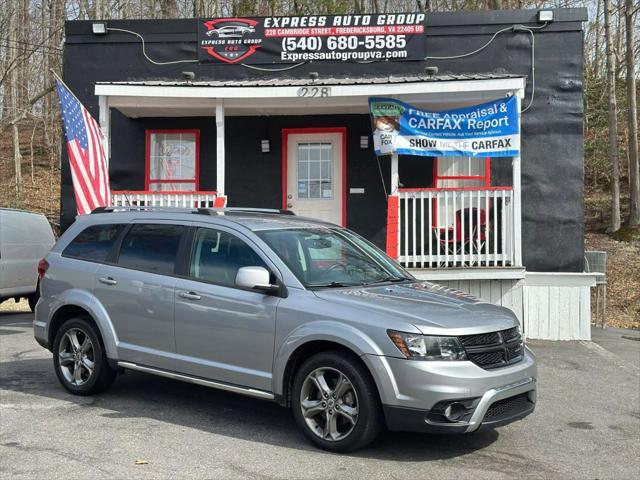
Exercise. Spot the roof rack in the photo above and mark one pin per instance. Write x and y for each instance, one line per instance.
(218, 211)
(201, 211)
(142, 208)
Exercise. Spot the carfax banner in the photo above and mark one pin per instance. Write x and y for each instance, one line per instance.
(487, 130)
(335, 38)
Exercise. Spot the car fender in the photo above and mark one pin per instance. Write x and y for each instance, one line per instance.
(86, 300)
(321, 330)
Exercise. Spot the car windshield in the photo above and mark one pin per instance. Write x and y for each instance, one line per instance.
(331, 257)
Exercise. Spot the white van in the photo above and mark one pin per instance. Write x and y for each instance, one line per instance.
(25, 238)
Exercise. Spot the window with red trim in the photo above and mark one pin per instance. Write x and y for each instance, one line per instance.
(172, 160)
(455, 173)
(459, 172)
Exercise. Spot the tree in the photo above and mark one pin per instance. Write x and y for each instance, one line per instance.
(632, 116)
(614, 224)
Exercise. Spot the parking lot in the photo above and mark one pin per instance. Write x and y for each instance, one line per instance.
(586, 425)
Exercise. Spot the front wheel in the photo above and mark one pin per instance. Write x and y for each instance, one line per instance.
(79, 358)
(335, 402)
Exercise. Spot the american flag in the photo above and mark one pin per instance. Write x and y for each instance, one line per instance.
(87, 158)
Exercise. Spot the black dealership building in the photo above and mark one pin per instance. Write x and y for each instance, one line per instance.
(273, 113)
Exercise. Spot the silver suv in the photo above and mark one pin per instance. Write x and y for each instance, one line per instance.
(282, 308)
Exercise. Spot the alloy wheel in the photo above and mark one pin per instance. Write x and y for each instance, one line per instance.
(76, 356)
(329, 404)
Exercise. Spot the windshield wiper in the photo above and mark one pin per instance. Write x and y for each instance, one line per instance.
(335, 284)
(390, 278)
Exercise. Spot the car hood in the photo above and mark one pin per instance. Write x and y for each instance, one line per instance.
(430, 308)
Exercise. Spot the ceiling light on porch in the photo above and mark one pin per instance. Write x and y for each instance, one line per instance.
(431, 70)
(99, 28)
(364, 142)
(265, 146)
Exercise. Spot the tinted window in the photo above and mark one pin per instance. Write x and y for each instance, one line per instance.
(153, 248)
(217, 256)
(94, 243)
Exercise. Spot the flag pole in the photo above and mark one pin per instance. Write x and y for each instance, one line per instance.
(57, 77)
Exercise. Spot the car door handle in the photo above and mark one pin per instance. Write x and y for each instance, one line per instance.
(190, 295)
(107, 281)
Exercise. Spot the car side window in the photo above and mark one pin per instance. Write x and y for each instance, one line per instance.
(151, 247)
(94, 243)
(216, 257)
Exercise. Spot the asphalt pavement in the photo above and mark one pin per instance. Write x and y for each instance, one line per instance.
(586, 425)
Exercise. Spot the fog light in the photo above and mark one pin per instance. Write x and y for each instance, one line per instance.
(454, 412)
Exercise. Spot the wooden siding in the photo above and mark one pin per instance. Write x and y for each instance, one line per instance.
(549, 307)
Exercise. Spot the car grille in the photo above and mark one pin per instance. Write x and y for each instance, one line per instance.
(508, 407)
(495, 349)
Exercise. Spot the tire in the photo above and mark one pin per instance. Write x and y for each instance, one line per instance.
(358, 391)
(33, 299)
(67, 358)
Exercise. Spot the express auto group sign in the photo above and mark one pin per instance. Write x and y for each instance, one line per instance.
(265, 40)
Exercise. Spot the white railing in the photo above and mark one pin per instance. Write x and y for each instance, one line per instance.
(164, 199)
(439, 228)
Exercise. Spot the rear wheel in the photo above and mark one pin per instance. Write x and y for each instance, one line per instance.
(79, 358)
(335, 402)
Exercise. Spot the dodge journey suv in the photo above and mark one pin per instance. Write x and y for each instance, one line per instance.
(282, 308)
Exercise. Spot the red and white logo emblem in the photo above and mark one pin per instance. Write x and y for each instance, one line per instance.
(230, 40)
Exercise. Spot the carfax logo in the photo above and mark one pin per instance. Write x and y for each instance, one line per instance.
(230, 40)
(386, 123)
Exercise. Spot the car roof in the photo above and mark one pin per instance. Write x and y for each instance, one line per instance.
(253, 219)
(17, 210)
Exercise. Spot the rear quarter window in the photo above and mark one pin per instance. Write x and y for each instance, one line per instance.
(151, 247)
(94, 243)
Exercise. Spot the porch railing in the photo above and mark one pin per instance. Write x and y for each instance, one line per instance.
(198, 199)
(456, 227)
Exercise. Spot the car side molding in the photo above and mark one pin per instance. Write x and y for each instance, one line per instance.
(250, 392)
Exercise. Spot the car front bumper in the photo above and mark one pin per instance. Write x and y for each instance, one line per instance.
(415, 393)
(520, 400)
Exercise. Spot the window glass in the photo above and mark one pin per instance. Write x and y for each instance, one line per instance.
(216, 257)
(314, 170)
(325, 257)
(93, 243)
(151, 247)
(172, 187)
(457, 171)
(172, 161)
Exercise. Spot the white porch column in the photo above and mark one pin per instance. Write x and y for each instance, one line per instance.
(220, 150)
(104, 117)
(395, 179)
(517, 190)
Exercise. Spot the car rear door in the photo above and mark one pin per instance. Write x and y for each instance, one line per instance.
(224, 333)
(137, 291)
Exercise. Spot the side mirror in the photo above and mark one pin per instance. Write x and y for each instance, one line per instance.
(256, 278)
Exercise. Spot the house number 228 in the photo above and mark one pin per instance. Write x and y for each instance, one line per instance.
(314, 92)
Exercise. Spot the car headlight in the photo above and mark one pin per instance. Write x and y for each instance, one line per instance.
(427, 347)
